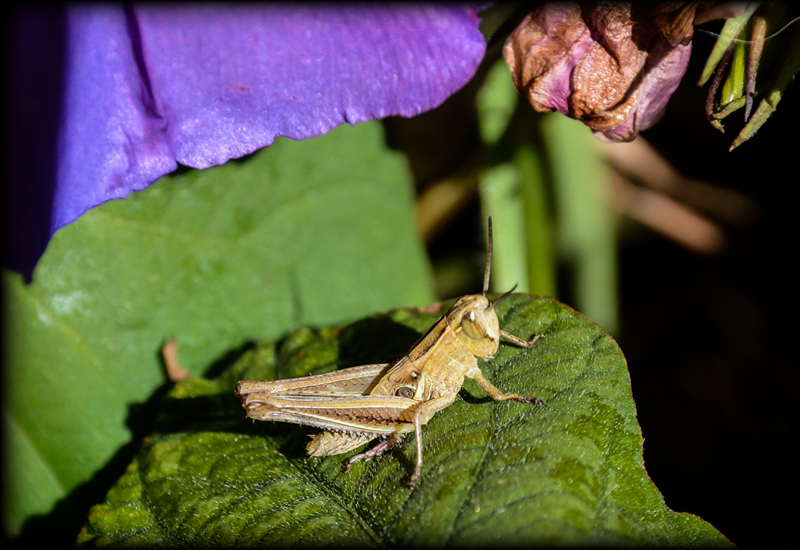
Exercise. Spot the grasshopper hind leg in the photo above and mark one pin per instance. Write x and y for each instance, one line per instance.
(378, 449)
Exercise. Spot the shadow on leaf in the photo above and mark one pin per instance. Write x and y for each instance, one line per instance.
(375, 340)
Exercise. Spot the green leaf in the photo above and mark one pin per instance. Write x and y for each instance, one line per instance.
(586, 226)
(733, 87)
(513, 194)
(301, 233)
(787, 68)
(495, 103)
(538, 226)
(568, 472)
(730, 31)
(501, 199)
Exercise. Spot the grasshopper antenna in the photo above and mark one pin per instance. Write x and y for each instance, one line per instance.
(488, 260)
(489, 270)
(504, 296)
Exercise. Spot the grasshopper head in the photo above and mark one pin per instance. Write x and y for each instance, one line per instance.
(474, 320)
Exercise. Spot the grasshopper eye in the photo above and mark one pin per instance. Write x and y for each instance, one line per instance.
(406, 392)
(472, 326)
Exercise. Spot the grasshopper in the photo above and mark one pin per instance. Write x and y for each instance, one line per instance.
(356, 405)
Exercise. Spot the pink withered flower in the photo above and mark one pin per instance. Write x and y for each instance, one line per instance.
(611, 66)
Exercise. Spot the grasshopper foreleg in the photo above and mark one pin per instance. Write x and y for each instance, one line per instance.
(490, 389)
(519, 341)
(476, 374)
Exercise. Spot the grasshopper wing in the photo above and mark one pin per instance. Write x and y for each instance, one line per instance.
(346, 382)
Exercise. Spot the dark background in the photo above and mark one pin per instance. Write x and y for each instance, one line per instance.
(708, 338)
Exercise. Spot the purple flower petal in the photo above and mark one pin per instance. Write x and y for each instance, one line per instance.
(234, 79)
(111, 141)
(151, 86)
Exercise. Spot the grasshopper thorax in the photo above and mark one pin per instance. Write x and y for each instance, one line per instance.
(474, 321)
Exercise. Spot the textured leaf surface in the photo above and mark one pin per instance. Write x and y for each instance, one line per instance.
(568, 472)
(301, 233)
